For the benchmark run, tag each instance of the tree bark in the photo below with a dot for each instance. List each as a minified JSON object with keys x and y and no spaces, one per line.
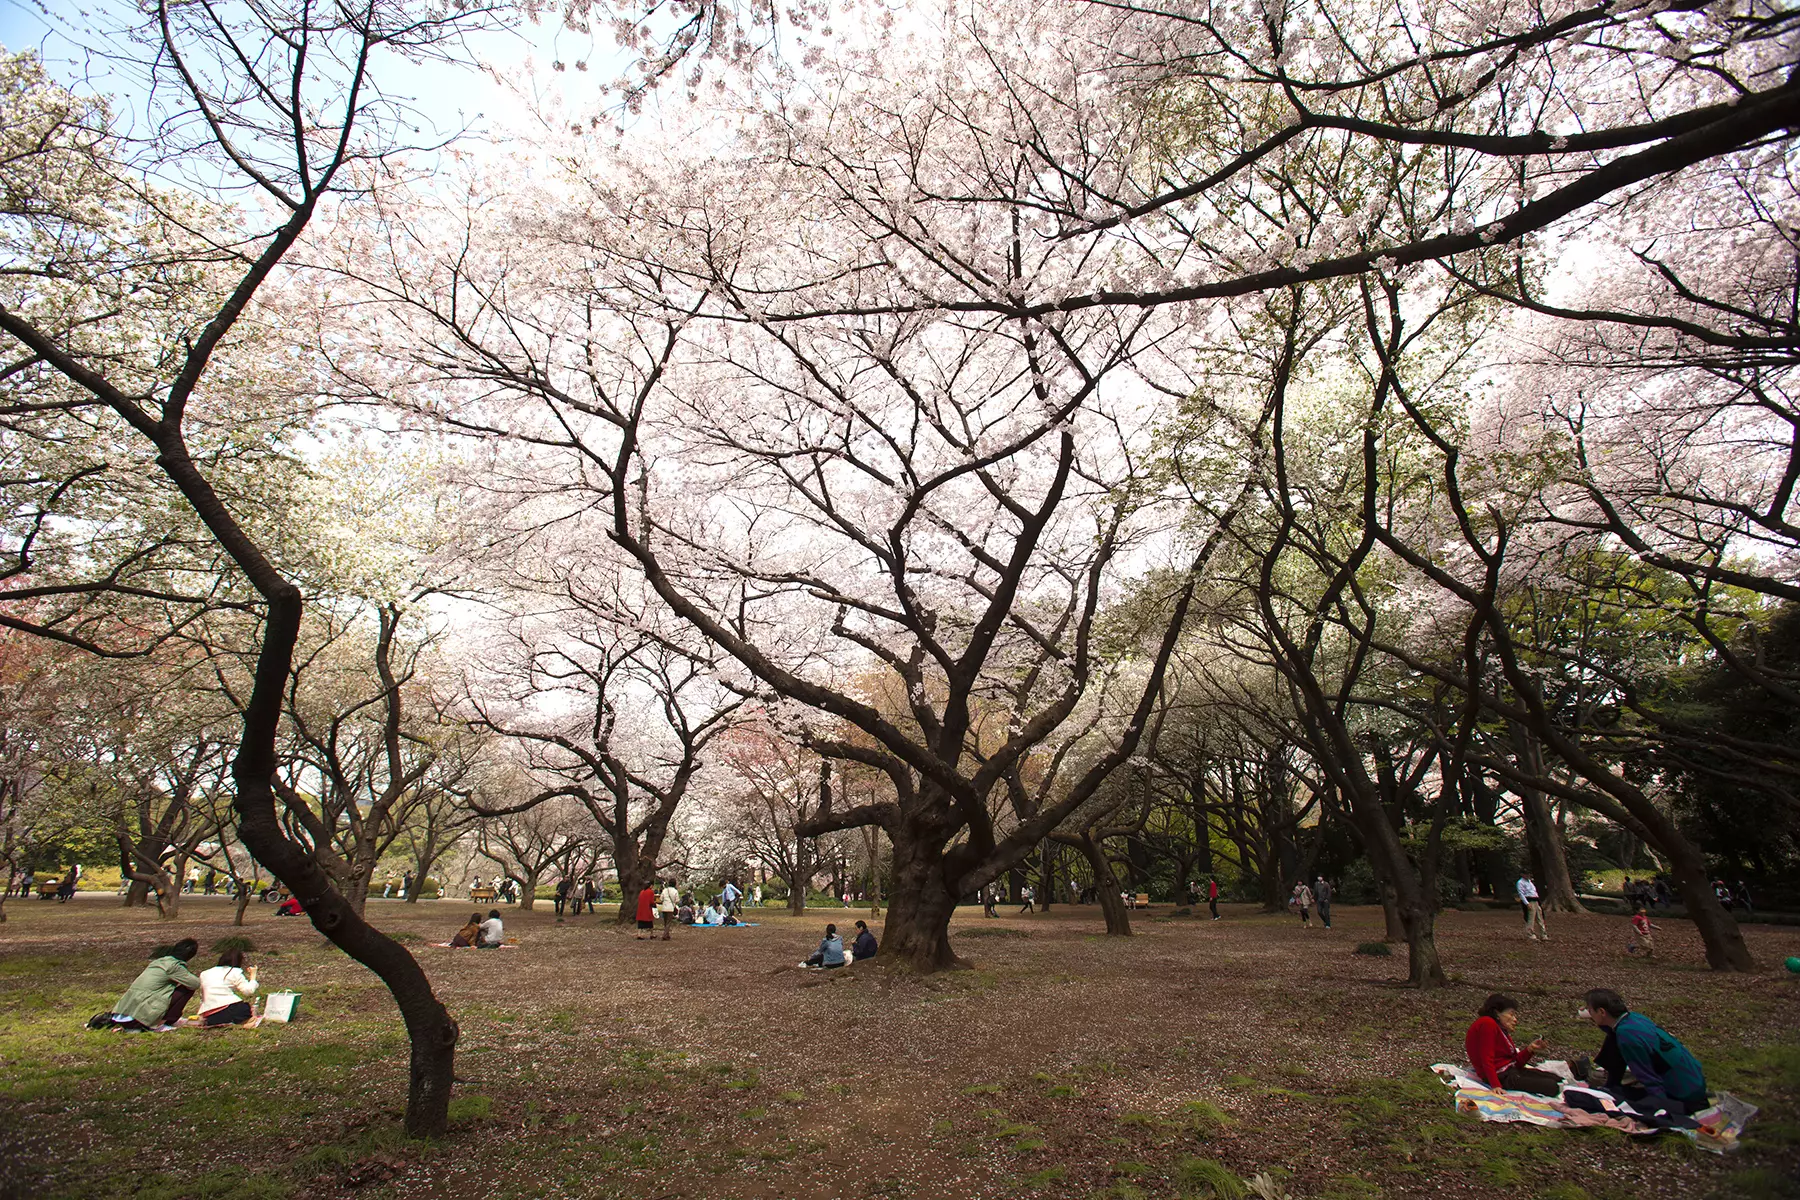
{"x":244,"y":892}
{"x":1549,"y":855}
{"x":1106,"y":885}
{"x":917,"y":930}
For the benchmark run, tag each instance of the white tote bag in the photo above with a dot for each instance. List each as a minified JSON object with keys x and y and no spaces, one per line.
{"x":280,"y":1006}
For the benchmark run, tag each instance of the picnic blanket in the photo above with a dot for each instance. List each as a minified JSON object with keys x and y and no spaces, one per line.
{"x":739,"y":925}
{"x":501,"y":946}
{"x":1717,"y":1128}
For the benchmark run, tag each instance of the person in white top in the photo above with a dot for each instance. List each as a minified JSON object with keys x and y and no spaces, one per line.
{"x":711,"y":916}
{"x":225,"y":991}
{"x":1534,"y":912}
{"x":492,"y":931}
{"x":666,"y":904}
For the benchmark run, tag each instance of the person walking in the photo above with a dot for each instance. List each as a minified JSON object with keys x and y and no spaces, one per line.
{"x":406,"y":885}
{"x":666,"y":906}
{"x":1303,"y":900}
{"x":1534,"y":911}
{"x":1322,"y":896}
{"x":559,"y":899}
{"x":730,"y":894}
{"x":987,"y":901}
{"x":590,"y":892}
{"x":1212,"y":895}
{"x":1743,"y":898}
{"x":1025,"y":895}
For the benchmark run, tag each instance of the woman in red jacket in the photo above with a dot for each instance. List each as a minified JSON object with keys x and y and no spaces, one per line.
{"x":1497,"y":1060}
{"x":646,"y":910}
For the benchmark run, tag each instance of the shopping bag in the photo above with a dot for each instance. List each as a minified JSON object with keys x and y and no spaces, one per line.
{"x":280,"y":1006}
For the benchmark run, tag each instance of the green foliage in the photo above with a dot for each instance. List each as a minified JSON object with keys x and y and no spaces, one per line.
{"x":1373,"y":949}
{"x":1204,"y":1179}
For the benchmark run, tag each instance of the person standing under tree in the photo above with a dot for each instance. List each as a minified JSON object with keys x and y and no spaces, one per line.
{"x":1534,"y":911}
{"x":1303,"y":900}
{"x":559,"y":899}
{"x":1322,"y":894}
{"x":646,"y":911}
{"x":1212,"y":895}
{"x":666,"y":905}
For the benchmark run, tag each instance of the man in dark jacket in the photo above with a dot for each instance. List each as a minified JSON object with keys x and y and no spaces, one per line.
{"x":864,"y":946}
{"x":1322,"y":897}
{"x":1665,"y":1071}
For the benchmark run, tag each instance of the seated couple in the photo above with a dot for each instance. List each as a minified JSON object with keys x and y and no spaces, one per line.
{"x":156,"y":998}
{"x":1642,"y":1061}
{"x":830,"y":953}
{"x":483,"y":935}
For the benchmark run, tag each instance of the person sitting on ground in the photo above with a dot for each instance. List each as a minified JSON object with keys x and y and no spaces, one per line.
{"x":492,"y":931}
{"x":1499,"y":1062}
{"x":225,"y":991}
{"x":161,"y":990}
{"x":465,"y":937}
{"x":864,"y":946}
{"x":290,"y":907}
{"x":686,"y":914}
{"x":830,"y":953}
{"x":1667,"y":1074}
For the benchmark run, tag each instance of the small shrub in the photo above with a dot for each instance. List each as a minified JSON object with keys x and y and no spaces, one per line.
{"x":233,"y":941}
{"x":1373,"y":949}
{"x":1204,"y":1179}
{"x":470,"y":1108}
{"x":407,"y":937}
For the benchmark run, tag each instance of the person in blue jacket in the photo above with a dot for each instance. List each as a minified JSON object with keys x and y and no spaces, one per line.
{"x":1664,"y":1069}
{"x":830,"y":952}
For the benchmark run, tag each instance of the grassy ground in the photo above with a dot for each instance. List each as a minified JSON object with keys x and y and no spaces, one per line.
{"x":1064,"y":1065}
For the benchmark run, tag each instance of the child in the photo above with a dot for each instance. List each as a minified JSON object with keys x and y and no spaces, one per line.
{"x":1641,"y":927}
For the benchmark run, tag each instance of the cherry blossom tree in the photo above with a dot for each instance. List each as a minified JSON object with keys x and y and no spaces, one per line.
{"x":128,"y":301}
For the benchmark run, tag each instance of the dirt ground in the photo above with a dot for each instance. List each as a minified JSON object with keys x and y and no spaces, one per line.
{"x":1064,"y":1064}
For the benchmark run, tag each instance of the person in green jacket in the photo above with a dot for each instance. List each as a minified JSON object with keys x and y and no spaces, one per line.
{"x":162,"y":989}
{"x":1666,"y":1072}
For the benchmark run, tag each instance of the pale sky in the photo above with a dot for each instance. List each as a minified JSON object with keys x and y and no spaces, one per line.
{"x":452,"y":98}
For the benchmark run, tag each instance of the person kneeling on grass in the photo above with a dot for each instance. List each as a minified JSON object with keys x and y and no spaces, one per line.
{"x":225,"y":991}
{"x":1499,"y":1062}
{"x":162,"y":989}
{"x":491,"y":933}
{"x":830,"y":952}
{"x":466,"y":936}
{"x":864,"y":946}
{"x":1666,"y":1073}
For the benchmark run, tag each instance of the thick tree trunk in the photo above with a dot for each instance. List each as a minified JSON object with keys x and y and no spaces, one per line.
{"x":244,"y":892}
{"x":1106,"y":885}
{"x":1424,"y":970}
{"x":1549,"y":856}
{"x":1718,"y":929}
{"x":528,"y":893}
{"x":137,"y":895}
{"x":797,"y":894}
{"x":917,"y":930}
{"x":635,"y":873}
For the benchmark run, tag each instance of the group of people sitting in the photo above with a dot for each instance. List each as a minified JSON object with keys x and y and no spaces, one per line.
{"x":1643,"y":1064}
{"x":831,"y":953}
{"x":717,"y":911}
{"x":480,"y":934}
{"x":159,"y":995}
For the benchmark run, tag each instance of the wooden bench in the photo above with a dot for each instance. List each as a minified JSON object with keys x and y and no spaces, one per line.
{"x":481,"y":895}
{"x":1142,"y":900}
{"x":47,"y":891}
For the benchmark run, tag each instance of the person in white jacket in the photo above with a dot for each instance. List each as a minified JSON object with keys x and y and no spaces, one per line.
{"x":666,"y":905}
{"x":225,"y":991}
